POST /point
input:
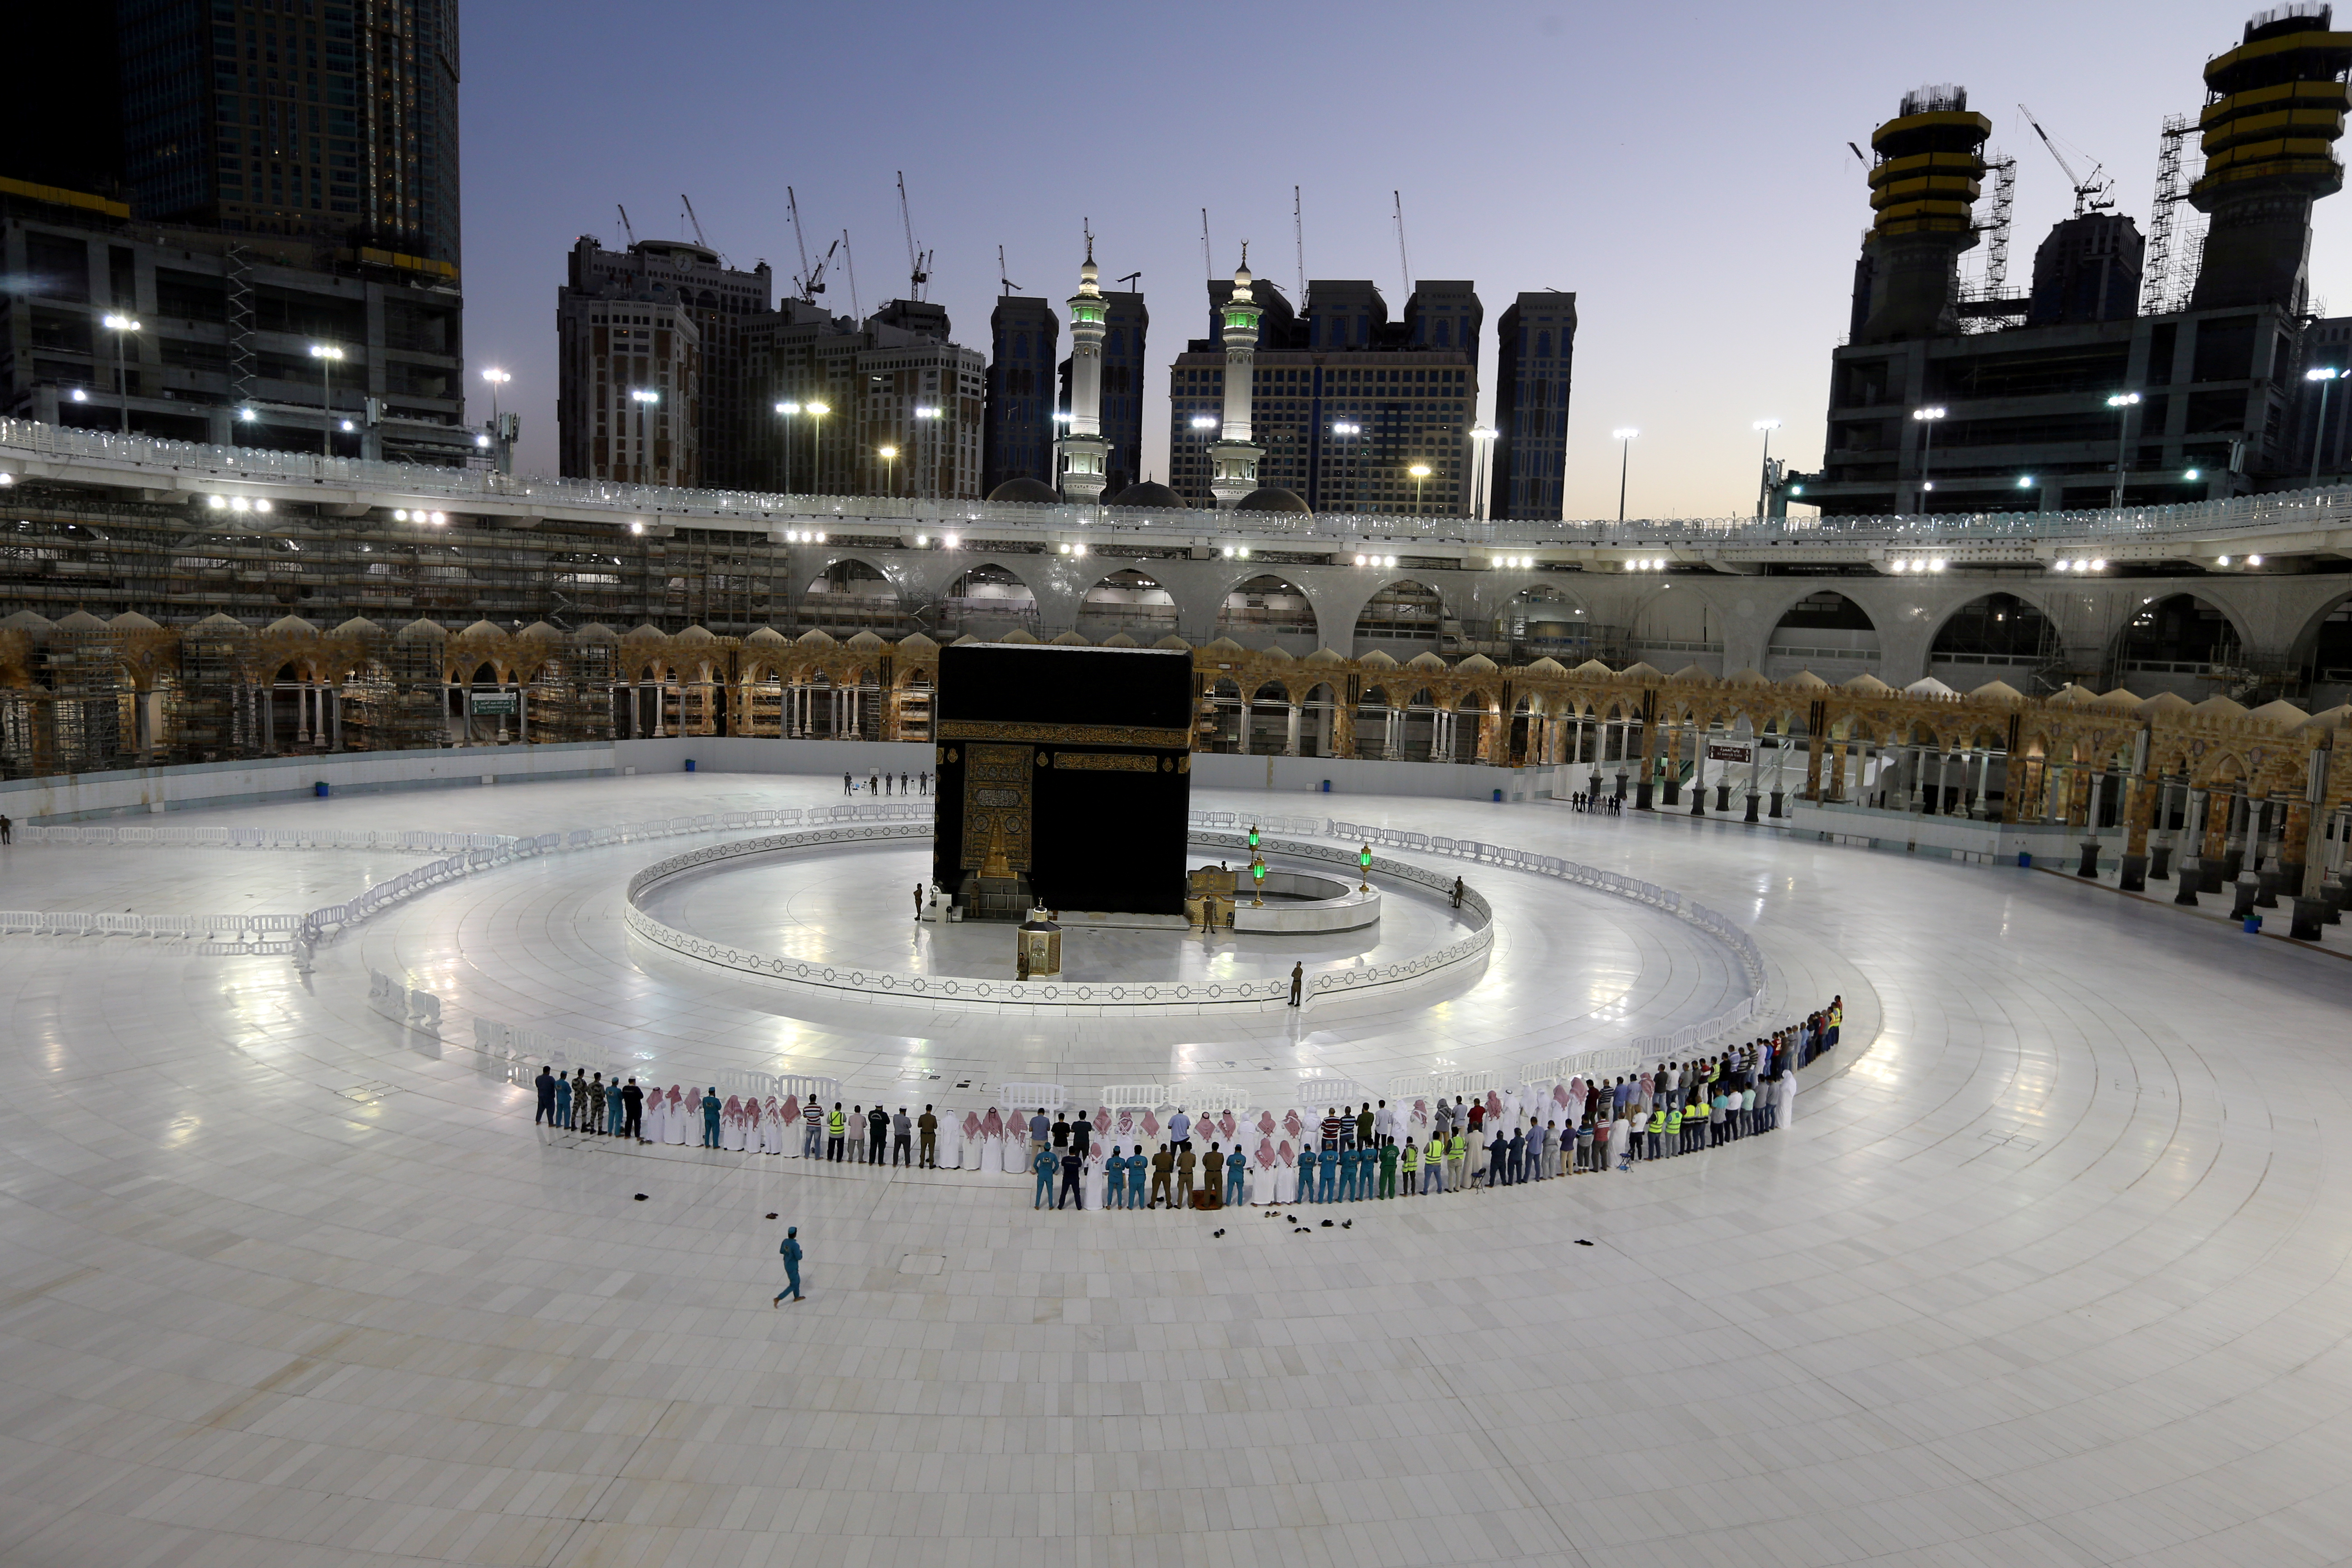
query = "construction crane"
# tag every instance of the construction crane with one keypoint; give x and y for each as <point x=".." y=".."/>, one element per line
<point x="624" y="224"/>
<point x="694" y="220"/>
<point x="1132" y="277"/>
<point x="2091" y="194"/>
<point x="849" y="261"/>
<point x="1298" y="241"/>
<point x="919" y="262"/>
<point x="1004" y="283"/>
<point x="1208" y="263"/>
<point x="812" y="278"/>
<point x="1398" y="196"/>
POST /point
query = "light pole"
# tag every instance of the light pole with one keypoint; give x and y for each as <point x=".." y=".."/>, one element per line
<point x="497" y="378"/>
<point x="1419" y="471"/>
<point x="1346" y="431"/>
<point x="123" y="326"/>
<point x="2326" y="376"/>
<point x="2123" y="403"/>
<point x="326" y="355"/>
<point x="1764" y="475"/>
<point x="645" y="399"/>
<point x="788" y="410"/>
<point x="1624" y="440"/>
<point x="928" y="430"/>
<point x="1205" y="423"/>
<point x="890" y="456"/>
<point x="1927" y="419"/>
<point x="816" y="413"/>
<point x="1482" y="441"/>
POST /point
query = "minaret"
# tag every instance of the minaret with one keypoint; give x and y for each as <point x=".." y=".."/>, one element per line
<point x="1233" y="459"/>
<point x="2274" y="104"/>
<point x="1085" y="453"/>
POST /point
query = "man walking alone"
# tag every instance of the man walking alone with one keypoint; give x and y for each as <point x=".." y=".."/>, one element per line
<point x="791" y="1250"/>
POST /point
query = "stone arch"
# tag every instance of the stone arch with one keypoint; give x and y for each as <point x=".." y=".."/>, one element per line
<point x="1266" y="609"/>
<point x="2170" y="643"/>
<point x="1130" y="599"/>
<point x="2008" y="636"/>
<point x="2323" y="652"/>
<point x="853" y="593"/>
<point x="1402" y="612"/>
<point x="1822" y="628"/>
<point x="987" y="599"/>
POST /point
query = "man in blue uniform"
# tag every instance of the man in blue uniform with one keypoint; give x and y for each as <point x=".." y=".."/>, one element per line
<point x="1045" y="1166"/>
<point x="710" y="1108"/>
<point x="792" y="1254"/>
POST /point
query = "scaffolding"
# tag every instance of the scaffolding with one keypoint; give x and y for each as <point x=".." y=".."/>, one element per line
<point x="2176" y="231"/>
<point x="1984" y="305"/>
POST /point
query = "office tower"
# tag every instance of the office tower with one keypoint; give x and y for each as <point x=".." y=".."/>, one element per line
<point x="1535" y="351"/>
<point x="901" y="406"/>
<point x="672" y="281"/>
<point x="271" y="117"/>
<point x="1344" y="405"/>
<point x="1019" y="443"/>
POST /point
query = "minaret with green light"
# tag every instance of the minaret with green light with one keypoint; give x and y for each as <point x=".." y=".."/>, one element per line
<point x="1085" y="455"/>
<point x="1233" y="459"/>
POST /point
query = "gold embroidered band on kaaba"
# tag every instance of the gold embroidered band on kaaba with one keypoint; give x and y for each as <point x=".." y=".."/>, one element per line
<point x="1063" y="735"/>
<point x="1113" y="762"/>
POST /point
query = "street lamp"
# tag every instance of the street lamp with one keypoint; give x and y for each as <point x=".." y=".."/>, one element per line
<point x="890" y="456"/>
<point x="1204" y="423"/>
<point x="788" y="410"/>
<point x="1624" y="440"/>
<point x="2123" y="403"/>
<point x="1764" y="476"/>
<point x="1364" y="865"/>
<point x="816" y="413"/>
<point x="1926" y="417"/>
<point x="1482" y="438"/>
<point x="123" y="326"/>
<point x="1419" y="471"/>
<point x="645" y="399"/>
<point x="497" y="378"/>
<point x="1345" y="431"/>
<point x="2326" y="376"/>
<point x="327" y="356"/>
<point x="930" y="416"/>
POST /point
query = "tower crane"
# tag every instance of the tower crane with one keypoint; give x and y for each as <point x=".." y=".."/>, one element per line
<point x="919" y="262"/>
<point x="2091" y="194"/>
<point x="625" y="224"/>
<point x="1004" y="283"/>
<point x="694" y="220"/>
<point x="812" y="278"/>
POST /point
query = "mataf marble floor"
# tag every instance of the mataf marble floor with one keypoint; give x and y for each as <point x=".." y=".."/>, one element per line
<point x="2050" y="1267"/>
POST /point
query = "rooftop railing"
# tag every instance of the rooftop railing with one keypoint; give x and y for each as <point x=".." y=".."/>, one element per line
<point x="2319" y="508"/>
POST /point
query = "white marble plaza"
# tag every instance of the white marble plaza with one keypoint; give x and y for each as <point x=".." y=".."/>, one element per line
<point x="2051" y="1269"/>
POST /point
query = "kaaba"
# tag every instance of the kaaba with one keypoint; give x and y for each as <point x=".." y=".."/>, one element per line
<point x="1065" y="775"/>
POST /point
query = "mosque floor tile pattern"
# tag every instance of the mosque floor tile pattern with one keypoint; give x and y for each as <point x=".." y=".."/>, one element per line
<point x="2050" y="1269"/>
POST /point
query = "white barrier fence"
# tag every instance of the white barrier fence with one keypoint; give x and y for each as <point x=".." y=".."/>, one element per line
<point x="1014" y="1097"/>
<point x="285" y="933"/>
<point x="1407" y="1086"/>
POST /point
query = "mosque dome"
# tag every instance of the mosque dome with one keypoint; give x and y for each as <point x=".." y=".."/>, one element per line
<point x="1148" y="492"/>
<point x="1034" y="491"/>
<point x="1270" y="497"/>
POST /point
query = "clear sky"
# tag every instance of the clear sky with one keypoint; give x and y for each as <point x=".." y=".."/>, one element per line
<point x="1683" y="169"/>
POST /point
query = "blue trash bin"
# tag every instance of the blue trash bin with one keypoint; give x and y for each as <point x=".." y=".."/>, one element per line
<point x="320" y="789"/>
<point x="1327" y="786"/>
<point x="1498" y="795"/>
<point x="690" y="765"/>
<point x="2253" y="925"/>
<point x="2023" y="858"/>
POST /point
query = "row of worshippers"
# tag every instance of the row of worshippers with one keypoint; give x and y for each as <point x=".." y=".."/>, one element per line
<point x="1374" y="1150"/>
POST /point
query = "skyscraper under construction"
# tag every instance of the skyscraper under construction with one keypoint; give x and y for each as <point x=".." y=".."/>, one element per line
<point x="2073" y="397"/>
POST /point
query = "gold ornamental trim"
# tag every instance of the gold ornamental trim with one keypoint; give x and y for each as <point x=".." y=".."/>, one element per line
<point x="1063" y="735"/>
<point x="1109" y="763"/>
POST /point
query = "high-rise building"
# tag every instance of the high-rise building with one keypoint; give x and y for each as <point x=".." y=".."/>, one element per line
<point x="628" y="402"/>
<point x="2084" y="401"/>
<point x="1535" y="354"/>
<point x="1343" y="404"/>
<point x="225" y="326"/>
<point x="673" y="281"/>
<point x="334" y="119"/>
<point x="891" y="407"/>
<point x="1019" y="443"/>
